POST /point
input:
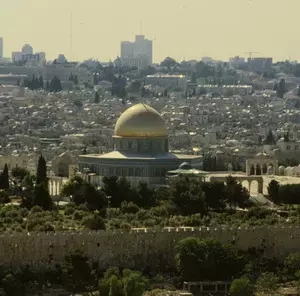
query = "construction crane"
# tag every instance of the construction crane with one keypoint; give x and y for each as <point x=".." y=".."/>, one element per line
<point x="250" y="52"/>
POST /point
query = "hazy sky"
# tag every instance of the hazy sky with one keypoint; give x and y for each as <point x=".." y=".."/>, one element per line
<point x="179" y="28"/>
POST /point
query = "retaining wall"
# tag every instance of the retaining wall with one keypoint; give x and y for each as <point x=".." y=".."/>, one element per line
<point x="138" y="248"/>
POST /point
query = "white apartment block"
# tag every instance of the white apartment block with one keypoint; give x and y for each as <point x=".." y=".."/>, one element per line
<point x="167" y="81"/>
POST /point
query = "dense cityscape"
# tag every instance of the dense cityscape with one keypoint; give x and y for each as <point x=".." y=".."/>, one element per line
<point x="130" y="177"/>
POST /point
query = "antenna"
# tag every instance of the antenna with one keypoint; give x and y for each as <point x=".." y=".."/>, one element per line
<point x="71" y="35"/>
<point x="250" y="52"/>
<point x="141" y="27"/>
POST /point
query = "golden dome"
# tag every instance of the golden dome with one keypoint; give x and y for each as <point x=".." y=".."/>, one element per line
<point x="140" y="121"/>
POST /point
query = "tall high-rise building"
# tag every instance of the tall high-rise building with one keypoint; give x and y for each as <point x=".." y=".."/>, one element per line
<point x="261" y="65"/>
<point x="1" y="48"/>
<point x="138" y="52"/>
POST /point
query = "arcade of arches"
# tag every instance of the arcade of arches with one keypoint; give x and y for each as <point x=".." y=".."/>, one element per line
<point x="243" y="180"/>
<point x="261" y="165"/>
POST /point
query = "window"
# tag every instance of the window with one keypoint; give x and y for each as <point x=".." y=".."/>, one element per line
<point x="118" y="171"/>
<point x="138" y="172"/>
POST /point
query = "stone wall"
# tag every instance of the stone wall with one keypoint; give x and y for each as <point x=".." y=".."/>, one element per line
<point x="139" y="248"/>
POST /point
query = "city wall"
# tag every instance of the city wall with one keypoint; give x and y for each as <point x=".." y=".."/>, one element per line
<point x="140" y="248"/>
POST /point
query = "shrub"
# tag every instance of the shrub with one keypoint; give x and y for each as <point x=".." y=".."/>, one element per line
<point x="199" y="260"/>
<point x="135" y="284"/>
<point x="69" y="210"/>
<point x="4" y="198"/>
<point x="125" y="225"/>
<point x="36" y="209"/>
<point x="258" y="213"/>
<point x="241" y="287"/>
<point x="83" y="207"/>
<point x="129" y="207"/>
<point x="267" y="283"/>
<point x="292" y="264"/>
<point x="78" y="215"/>
<point x="93" y="222"/>
<point x="23" y="212"/>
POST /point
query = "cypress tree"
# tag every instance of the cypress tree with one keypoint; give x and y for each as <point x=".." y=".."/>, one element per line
<point x="41" y="82"/>
<point x="97" y="97"/>
<point x="75" y="79"/>
<point x="4" y="178"/>
<point x="42" y="197"/>
<point x="41" y="173"/>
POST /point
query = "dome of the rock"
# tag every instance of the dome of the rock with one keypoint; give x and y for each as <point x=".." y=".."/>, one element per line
<point x="140" y="120"/>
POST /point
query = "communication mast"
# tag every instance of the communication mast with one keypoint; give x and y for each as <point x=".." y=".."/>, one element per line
<point x="250" y="52"/>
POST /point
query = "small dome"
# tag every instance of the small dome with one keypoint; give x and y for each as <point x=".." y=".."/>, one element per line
<point x="140" y="121"/>
<point x="185" y="166"/>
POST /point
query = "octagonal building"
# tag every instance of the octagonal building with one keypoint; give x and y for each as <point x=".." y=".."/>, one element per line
<point x="141" y="150"/>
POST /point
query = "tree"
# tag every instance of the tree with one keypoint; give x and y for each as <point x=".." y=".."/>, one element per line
<point x="104" y="284"/>
<point x="194" y="77"/>
<point x="214" y="194"/>
<point x="204" y="70"/>
<point x="42" y="197"/>
<point x="93" y="222"/>
<point x="135" y="86"/>
<point x="292" y="265"/>
<point x="289" y="194"/>
<point x="4" y="178"/>
<point x="201" y="260"/>
<point x="236" y="194"/>
<point x="202" y="91"/>
<point x="19" y="173"/>
<point x="241" y="287"/>
<point x="75" y="80"/>
<point x="116" y="287"/>
<point x="41" y="82"/>
<point x="12" y="286"/>
<point x="119" y="189"/>
<point x="298" y="91"/>
<point x="78" y="103"/>
<point x="187" y="195"/>
<point x="135" y="284"/>
<point x="270" y="139"/>
<point x="119" y="87"/>
<point x="4" y="198"/>
<point x="81" y="191"/>
<point x="273" y="190"/>
<point x="281" y="89"/>
<point x="55" y="85"/>
<point x="77" y="274"/>
<point x="267" y="284"/>
<point x="41" y="173"/>
<point x="97" y="98"/>
<point x="168" y="63"/>
<point x="146" y="196"/>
